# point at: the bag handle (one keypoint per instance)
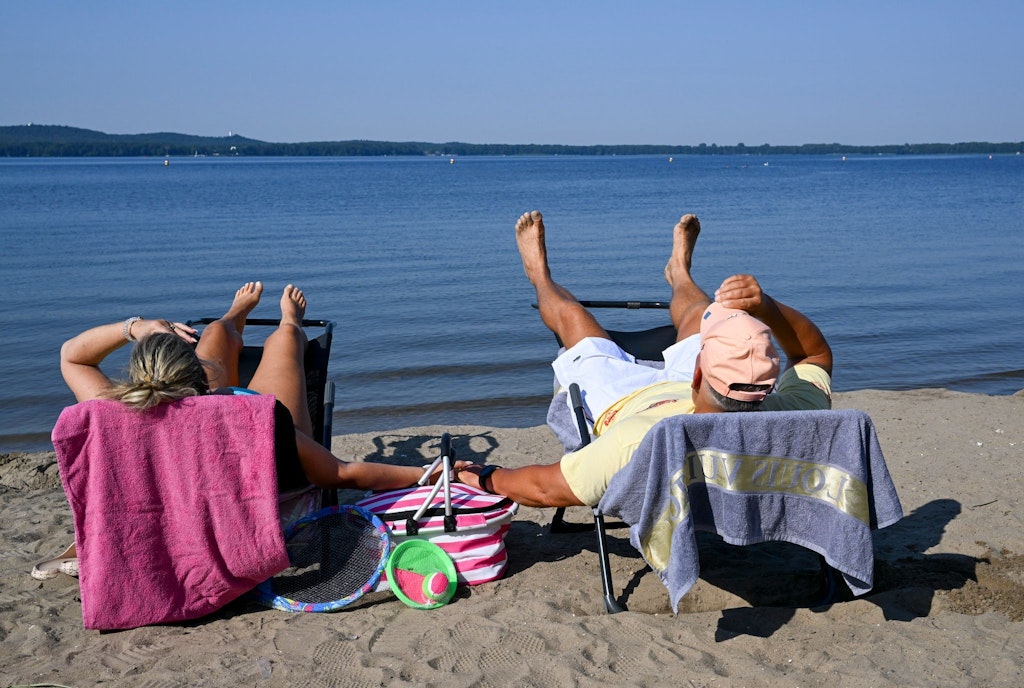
(445, 459)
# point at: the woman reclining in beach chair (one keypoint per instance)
(168, 364)
(175, 476)
(164, 367)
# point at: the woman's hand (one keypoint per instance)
(144, 328)
(80, 356)
(469, 474)
(456, 467)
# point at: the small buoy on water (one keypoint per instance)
(670, 159)
(451, 161)
(166, 163)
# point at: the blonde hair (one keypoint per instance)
(161, 368)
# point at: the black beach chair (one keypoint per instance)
(320, 398)
(646, 345)
(319, 389)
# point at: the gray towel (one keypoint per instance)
(562, 422)
(814, 478)
(560, 416)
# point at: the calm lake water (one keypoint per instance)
(912, 266)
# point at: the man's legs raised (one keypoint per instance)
(559, 309)
(688, 300)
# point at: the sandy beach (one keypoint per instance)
(947, 608)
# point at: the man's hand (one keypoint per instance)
(741, 292)
(799, 338)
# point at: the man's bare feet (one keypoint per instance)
(293, 306)
(532, 249)
(246, 299)
(684, 239)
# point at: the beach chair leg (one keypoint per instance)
(559, 525)
(328, 414)
(610, 604)
(829, 584)
(328, 497)
(558, 521)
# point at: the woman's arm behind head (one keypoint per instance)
(162, 367)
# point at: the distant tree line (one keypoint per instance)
(61, 141)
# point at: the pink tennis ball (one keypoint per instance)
(435, 586)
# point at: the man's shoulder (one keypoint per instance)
(804, 387)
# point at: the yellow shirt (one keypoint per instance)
(623, 426)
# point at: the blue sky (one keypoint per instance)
(573, 72)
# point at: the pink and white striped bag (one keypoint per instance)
(474, 538)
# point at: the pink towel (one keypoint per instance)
(175, 508)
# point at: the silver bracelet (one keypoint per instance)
(127, 328)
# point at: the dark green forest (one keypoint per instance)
(35, 140)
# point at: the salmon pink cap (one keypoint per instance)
(737, 352)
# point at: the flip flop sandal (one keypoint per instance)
(63, 563)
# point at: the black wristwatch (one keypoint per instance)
(484, 475)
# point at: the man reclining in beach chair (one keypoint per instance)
(723, 360)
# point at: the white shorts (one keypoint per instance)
(606, 373)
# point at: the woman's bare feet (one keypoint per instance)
(221, 341)
(246, 299)
(532, 249)
(684, 240)
(293, 306)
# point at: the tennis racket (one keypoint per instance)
(337, 555)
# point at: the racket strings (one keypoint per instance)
(332, 557)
